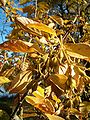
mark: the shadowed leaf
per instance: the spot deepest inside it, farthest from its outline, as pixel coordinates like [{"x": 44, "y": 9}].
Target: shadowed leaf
[
  {"x": 58, "y": 79},
  {"x": 54, "y": 117}
]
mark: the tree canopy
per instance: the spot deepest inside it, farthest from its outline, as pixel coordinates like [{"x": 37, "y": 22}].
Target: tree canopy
[{"x": 44, "y": 64}]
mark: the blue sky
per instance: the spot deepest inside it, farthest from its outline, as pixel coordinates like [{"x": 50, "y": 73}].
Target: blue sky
[{"x": 4, "y": 26}]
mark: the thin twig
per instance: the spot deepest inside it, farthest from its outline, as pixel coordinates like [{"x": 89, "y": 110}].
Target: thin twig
[{"x": 36, "y": 9}]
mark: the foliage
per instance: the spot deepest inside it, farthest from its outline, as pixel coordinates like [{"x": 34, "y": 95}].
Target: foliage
[{"x": 46, "y": 71}]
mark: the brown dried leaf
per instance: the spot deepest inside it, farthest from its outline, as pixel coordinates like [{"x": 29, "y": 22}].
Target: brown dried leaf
[
  {"x": 27, "y": 115},
  {"x": 30, "y": 9}
]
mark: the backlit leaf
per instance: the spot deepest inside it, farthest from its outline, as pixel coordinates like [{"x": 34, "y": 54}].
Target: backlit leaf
[
  {"x": 53, "y": 117},
  {"x": 23, "y": 21},
  {"x": 46, "y": 107},
  {"x": 37, "y": 94},
  {"x": 4, "y": 80},
  {"x": 40, "y": 90},
  {"x": 42, "y": 27},
  {"x": 20, "y": 81},
  {"x": 20, "y": 46},
  {"x": 78, "y": 50},
  {"x": 33, "y": 100}
]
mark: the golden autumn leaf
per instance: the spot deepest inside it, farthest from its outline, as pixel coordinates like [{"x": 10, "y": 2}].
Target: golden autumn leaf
[
  {"x": 8, "y": 72},
  {"x": 46, "y": 106},
  {"x": 57, "y": 19},
  {"x": 79, "y": 50},
  {"x": 54, "y": 117},
  {"x": 20, "y": 46},
  {"x": 74, "y": 111},
  {"x": 23, "y": 21},
  {"x": 4, "y": 80},
  {"x": 16, "y": 45},
  {"x": 20, "y": 81},
  {"x": 58, "y": 79},
  {"x": 40, "y": 90},
  {"x": 33, "y": 100},
  {"x": 39, "y": 101},
  {"x": 37, "y": 94},
  {"x": 42, "y": 27}
]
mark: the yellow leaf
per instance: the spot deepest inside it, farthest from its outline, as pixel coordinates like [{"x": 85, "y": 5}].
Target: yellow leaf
[
  {"x": 37, "y": 94},
  {"x": 54, "y": 97},
  {"x": 54, "y": 117},
  {"x": 57, "y": 19},
  {"x": 49, "y": 105},
  {"x": 42, "y": 27},
  {"x": 46, "y": 107},
  {"x": 20, "y": 81},
  {"x": 23, "y": 21},
  {"x": 33, "y": 100},
  {"x": 20, "y": 46},
  {"x": 40, "y": 90},
  {"x": 8, "y": 72},
  {"x": 58, "y": 79},
  {"x": 74, "y": 111},
  {"x": 79, "y": 50},
  {"x": 4, "y": 80}
]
